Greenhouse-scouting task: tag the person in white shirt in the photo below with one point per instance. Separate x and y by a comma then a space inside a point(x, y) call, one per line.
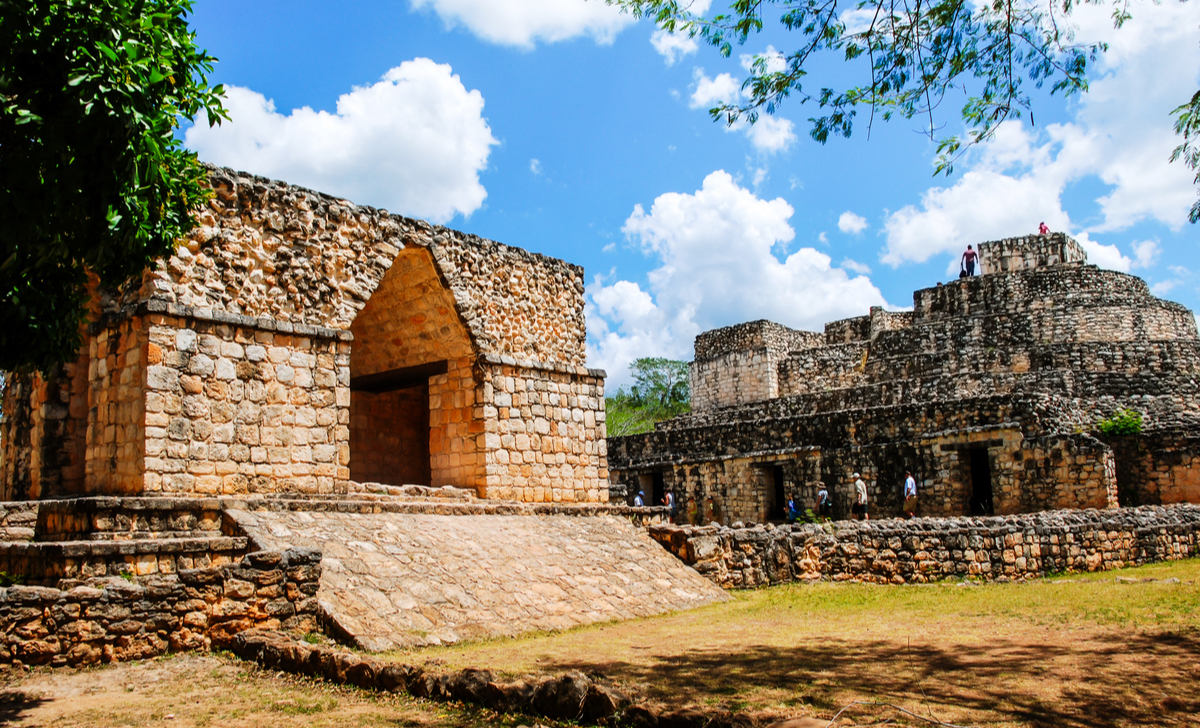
point(910, 495)
point(859, 508)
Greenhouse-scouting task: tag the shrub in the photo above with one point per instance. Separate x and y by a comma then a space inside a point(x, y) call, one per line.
point(1122, 422)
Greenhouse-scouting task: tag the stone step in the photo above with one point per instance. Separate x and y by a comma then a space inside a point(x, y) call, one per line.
point(47, 562)
point(397, 579)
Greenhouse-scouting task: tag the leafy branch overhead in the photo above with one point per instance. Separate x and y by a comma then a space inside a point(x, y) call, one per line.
point(661, 390)
point(92, 177)
point(914, 55)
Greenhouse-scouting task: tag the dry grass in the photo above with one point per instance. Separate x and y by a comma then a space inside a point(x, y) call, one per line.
point(1082, 650)
point(1077, 651)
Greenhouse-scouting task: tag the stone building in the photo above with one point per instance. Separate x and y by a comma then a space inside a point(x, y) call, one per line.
point(298, 343)
point(990, 390)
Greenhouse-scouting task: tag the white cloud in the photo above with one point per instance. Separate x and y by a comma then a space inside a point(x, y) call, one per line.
point(724, 89)
point(535, 166)
point(715, 268)
point(823, 238)
point(854, 265)
point(768, 135)
point(413, 143)
point(760, 176)
point(851, 223)
point(673, 46)
point(1121, 134)
point(522, 23)
point(775, 61)
point(771, 133)
point(1145, 254)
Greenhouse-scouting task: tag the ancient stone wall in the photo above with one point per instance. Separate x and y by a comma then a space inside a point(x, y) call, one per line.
point(925, 549)
point(1030, 251)
point(548, 439)
point(107, 619)
point(738, 364)
point(1157, 467)
point(230, 369)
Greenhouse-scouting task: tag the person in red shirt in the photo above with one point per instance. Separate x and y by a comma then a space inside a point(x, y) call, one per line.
point(1043, 229)
point(968, 260)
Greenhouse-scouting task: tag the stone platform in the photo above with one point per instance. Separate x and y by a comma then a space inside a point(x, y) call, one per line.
point(394, 580)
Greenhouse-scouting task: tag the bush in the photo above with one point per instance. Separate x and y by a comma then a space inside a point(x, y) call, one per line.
point(1122, 422)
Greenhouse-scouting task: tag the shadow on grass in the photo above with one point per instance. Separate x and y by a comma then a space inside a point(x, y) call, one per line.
point(14, 704)
point(1145, 679)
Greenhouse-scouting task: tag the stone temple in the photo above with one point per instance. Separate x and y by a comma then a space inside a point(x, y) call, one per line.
point(990, 390)
point(298, 343)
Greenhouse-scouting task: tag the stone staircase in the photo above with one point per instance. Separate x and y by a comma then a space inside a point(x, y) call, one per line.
point(402, 566)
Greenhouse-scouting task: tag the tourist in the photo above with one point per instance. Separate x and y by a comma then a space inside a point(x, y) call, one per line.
point(793, 511)
point(669, 501)
point(693, 511)
point(639, 500)
point(824, 502)
point(714, 512)
point(1043, 229)
point(968, 261)
point(910, 495)
point(859, 509)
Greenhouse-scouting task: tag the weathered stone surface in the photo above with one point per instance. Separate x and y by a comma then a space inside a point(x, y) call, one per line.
point(896, 551)
point(392, 580)
point(990, 391)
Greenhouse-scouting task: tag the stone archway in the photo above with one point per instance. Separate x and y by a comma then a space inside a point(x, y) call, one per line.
point(407, 339)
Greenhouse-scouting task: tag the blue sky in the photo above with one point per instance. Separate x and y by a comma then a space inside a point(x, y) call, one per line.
point(565, 128)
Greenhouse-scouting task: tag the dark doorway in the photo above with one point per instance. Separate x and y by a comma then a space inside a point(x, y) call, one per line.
point(389, 436)
point(652, 487)
point(778, 510)
point(981, 483)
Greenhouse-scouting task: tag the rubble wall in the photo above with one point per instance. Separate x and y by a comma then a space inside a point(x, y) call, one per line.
point(899, 551)
point(112, 619)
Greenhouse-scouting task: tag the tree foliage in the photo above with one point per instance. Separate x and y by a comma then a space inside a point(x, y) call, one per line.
point(916, 52)
point(661, 390)
point(92, 178)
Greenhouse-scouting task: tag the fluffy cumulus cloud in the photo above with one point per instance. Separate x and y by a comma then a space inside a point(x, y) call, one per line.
point(715, 267)
point(522, 23)
point(673, 46)
point(851, 223)
point(1121, 134)
point(769, 134)
point(413, 143)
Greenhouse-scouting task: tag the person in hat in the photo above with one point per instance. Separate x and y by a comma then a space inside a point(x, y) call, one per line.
point(859, 509)
point(640, 498)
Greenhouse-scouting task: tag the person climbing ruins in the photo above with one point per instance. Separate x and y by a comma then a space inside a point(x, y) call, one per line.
point(910, 495)
point(859, 509)
point(1043, 229)
point(824, 502)
point(693, 511)
point(968, 262)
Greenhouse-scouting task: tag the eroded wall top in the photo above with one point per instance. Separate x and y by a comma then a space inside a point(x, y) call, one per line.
point(268, 250)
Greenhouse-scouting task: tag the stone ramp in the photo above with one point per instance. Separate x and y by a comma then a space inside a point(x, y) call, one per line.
point(395, 580)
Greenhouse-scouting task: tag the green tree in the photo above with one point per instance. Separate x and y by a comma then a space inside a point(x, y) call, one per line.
point(661, 390)
point(916, 53)
point(92, 177)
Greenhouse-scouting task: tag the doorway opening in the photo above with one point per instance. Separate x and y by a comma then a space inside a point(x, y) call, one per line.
point(778, 509)
point(981, 483)
point(653, 485)
point(389, 436)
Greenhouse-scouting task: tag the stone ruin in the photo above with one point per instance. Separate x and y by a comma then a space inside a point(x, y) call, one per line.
point(319, 416)
point(298, 343)
point(990, 390)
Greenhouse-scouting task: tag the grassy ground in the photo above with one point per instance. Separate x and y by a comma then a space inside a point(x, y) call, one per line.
point(1111, 649)
point(1090, 650)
